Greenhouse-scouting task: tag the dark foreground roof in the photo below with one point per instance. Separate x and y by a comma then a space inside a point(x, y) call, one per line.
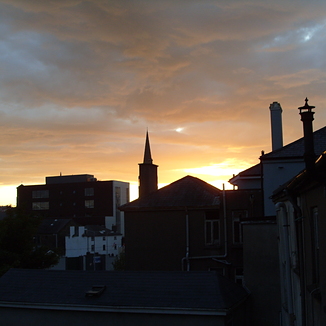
point(186, 192)
point(195, 291)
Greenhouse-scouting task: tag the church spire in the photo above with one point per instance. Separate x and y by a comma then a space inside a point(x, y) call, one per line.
point(148, 181)
point(147, 153)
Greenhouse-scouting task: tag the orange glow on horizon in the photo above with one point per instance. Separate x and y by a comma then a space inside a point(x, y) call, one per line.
point(175, 68)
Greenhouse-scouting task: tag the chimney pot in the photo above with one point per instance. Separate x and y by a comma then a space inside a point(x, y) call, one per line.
point(307, 117)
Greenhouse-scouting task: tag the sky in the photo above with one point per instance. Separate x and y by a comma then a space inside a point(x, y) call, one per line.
point(82, 81)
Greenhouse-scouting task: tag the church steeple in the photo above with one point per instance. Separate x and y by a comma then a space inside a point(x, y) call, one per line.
point(147, 172)
point(147, 153)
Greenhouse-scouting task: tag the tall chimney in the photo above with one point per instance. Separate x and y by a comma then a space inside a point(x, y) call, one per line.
point(276, 125)
point(307, 117)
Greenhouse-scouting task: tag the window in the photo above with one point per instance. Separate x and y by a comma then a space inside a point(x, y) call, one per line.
point(40, 194)
point(103, 238)
point(103, 247)
point(212, 228)
point(237, 217)
point(212, 232)
point(40, 206)
point(89, 203)
point(239, 276)
point(89, 191)
point(92, 248)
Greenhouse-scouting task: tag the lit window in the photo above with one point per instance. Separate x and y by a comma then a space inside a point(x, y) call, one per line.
point(89, 203)
point(40, 206)
point(40, 194)
point(89, 191)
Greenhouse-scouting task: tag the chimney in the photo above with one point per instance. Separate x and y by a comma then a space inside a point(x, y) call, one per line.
point(276, 125)
point(307, 117)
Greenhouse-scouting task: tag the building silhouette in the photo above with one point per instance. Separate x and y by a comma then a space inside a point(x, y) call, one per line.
point(81, 197)
point(148, 181)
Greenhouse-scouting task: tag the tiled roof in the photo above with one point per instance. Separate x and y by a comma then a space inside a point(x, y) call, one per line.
point(186, 192)
point(296, 148)
point(177, 290)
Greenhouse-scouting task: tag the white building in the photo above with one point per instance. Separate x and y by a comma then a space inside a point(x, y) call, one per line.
point(93, 239)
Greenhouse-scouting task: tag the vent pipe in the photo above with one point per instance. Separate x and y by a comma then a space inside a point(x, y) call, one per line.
point(276, 125)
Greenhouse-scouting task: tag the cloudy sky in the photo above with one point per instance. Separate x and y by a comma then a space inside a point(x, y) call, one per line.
point(81, 81)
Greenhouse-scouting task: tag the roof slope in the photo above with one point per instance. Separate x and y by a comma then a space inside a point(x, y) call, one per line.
point(292, 150)
point(177, 290)
point(298, 183)
point(186, 192)
point(254, 171)
point(296, 148)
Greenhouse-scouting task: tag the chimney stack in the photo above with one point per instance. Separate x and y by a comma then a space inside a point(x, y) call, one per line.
point(276, 125)
point(307, 117)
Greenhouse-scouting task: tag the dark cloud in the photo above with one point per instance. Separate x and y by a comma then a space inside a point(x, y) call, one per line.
point(82, 80)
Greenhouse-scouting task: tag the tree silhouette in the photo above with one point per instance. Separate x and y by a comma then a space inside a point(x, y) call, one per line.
point(17, 246)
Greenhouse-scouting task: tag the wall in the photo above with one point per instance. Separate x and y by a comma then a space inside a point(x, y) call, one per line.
point(261, 271)
point(121, 193)
point(156, 240)
point(315, 286)
point(78, 245)
point(276, 173)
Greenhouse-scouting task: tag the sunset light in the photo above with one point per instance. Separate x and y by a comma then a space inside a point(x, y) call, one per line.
point(82, 82)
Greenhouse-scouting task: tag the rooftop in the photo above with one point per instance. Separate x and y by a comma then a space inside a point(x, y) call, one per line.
point(203, 291)
point(296, 148)
point(186, 192)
